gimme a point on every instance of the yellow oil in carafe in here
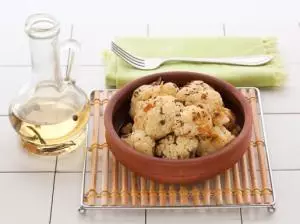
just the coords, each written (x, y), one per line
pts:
(50, 127)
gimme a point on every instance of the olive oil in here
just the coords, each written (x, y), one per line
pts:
(49, 127)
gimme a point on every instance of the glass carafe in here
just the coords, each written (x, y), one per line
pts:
(50, 113)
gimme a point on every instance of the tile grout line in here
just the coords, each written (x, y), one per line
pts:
(241, 215)
(224, 29)
(283, 113)
(29, 66)
(37, 171)
(148, 30)
(53, 188)
(18, 66)
(286, 170)
(72, 31)
(92, 65)
(80, 172)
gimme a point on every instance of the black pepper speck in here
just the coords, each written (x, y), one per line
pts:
(162, 122)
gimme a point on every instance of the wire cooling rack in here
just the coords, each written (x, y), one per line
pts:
(107, 184)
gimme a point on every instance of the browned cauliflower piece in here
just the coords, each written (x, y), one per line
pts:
(197, 93)
(140, 141)
(158, 116)
(192, 121)
(225, 117)
(177, 147)
(222, 116)
(219, 138)
(146, 92)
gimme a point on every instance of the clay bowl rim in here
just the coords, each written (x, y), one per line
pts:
(109, 127)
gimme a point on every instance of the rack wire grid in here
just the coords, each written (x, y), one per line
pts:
(107, 184)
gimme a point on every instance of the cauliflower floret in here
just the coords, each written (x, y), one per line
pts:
(158, 116)
(197, 93)
(177, 147)
(219, 138)
(169, 88)
(138, 112)
(140, 141)
(192, 121)
(141, 94)
(221, 116)
(146, 92)
(225, 117)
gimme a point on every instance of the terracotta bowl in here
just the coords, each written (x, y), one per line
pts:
(177, 171)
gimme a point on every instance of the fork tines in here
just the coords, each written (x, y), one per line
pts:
(126, 56)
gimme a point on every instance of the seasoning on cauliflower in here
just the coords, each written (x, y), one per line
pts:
(158, 116)
(146, 92)
(168, 88)
(221, 116)
(198, 92)
(175, 123)
(192, 121)
(140, 141)
(141, 94)
(177, 147)
(219, 138)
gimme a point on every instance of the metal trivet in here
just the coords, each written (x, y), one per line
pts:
(107, 184)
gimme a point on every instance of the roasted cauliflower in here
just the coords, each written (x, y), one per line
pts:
(198, 92)
(146, 92)
(140, 141)
(179, 123)
(219, 138)
(177, 147)
(192, 121)
(158, 116)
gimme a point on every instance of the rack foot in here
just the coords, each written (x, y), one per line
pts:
(271, 209)
(82, 210)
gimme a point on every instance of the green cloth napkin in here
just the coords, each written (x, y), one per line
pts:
(272, 74)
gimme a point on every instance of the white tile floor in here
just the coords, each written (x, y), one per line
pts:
(27, 182)
(93, 45)
(287, 187)
(26, 197)
(14, 44)
(230, 216)
(14, 158)
(273, 100)
(284, 144)
(65, 205)
(204, 29)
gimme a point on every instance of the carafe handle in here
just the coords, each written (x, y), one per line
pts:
(74, 47)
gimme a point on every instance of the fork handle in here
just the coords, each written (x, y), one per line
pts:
(246, 60)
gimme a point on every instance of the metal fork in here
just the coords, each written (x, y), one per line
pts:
(153, 63)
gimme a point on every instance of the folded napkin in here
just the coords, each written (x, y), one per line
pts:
(272, 74)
